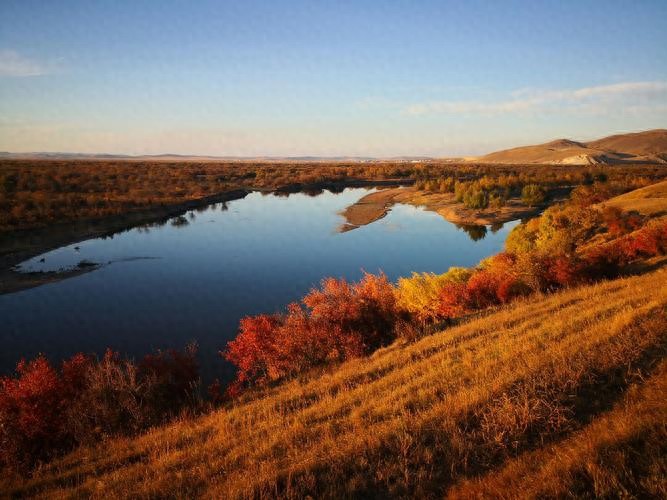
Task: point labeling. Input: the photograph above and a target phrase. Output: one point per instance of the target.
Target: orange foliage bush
(341, 320)
(453, 300)
(337, 321)
(648, 241)
(45, 411)
(619, 222)
(31, 413)
(483, 289)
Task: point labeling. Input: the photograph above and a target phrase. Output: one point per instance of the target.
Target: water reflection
(474, 231)
(192, 277)
(497, 226)
(179, 221)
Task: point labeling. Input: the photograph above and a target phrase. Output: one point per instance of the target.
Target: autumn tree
(533, 194)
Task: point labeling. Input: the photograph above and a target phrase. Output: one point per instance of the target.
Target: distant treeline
(36, 193)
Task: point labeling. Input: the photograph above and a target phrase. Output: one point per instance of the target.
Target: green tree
(532, 195)
(476, 199)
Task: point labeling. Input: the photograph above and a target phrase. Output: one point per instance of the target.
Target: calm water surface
(194, 277)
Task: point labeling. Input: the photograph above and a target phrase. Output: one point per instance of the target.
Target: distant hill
(642, 147)
(651, 142)
(639, 147)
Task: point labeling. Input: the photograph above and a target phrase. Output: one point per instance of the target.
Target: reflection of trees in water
(313, 192)
(153, 225)
(286, 191)
(179, 221)
(475, 232)
(496, 226)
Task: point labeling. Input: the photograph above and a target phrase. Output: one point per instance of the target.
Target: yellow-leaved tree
(420, 294)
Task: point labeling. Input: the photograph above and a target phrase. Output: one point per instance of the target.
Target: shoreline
(375, 206)
(18, 246)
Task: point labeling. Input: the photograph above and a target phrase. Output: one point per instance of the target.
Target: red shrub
(606, 260)
(44, 411)
(496, 282)
(483, 289)
(253, 348)
(511, 288)
(603, 261)
(31, 408)
(641, 243)
(74, 373)
(334, 302)
(454, 300)
(619, 222)
(308, 339)
(366, 309)
(339, 320)
(563, 270)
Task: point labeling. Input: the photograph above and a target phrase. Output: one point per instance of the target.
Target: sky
(326, 78)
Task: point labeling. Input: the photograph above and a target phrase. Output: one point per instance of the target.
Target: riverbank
(375, 206)
(336, 412)
(18, 246)
(21, 245)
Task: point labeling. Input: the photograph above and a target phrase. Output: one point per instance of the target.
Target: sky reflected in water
(194, 277)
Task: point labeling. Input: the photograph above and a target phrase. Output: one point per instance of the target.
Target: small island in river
(376, 205)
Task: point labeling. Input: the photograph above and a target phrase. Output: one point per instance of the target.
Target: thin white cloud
(13, 64)
(595, 99)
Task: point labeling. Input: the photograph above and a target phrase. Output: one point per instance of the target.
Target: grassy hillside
(556, 395)
(649, 146)
(650, 200)
(651, 142)
(557, 151)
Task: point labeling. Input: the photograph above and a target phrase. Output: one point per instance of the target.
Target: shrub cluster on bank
(567, 245)
(45, 410)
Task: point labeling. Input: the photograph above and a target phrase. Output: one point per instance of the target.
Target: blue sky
(377, 78)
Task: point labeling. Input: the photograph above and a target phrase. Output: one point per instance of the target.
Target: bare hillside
(649, 146)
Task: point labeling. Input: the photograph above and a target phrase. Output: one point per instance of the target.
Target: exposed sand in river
(376, 205)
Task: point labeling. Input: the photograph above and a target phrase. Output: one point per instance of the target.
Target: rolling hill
(650, 200)
(640, 147)
(550, 396)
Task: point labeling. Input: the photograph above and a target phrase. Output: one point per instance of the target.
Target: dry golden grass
(650, 200)
(621, 454)
(551, 396)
